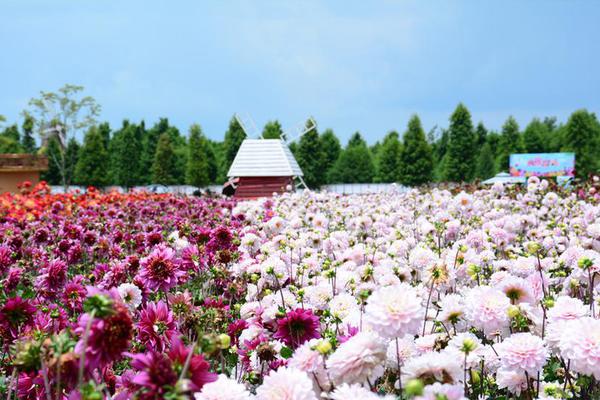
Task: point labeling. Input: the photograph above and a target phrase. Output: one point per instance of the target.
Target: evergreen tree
(481, 135)
(92, 165)
(27, 140)
(125, 150)
(460, 163)
(416, 157)
(331, 147)
(272, 130)
(310, 157)
(164, 167)
(197, 173)
(355, 163)
(71, 156)
(149, 144)
(388, 159)
(9, 145)
(104, 130)
(233, 140)
(215, 157)
(534, 136)
(52, 150)
(12, 132)
(486, 165)
(582, 134)
(510, 143)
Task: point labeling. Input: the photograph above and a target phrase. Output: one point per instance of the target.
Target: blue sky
(353, 65)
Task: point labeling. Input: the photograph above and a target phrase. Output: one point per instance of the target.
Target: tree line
(134, 154)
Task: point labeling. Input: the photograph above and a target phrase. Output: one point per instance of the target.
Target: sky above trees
(364, 66)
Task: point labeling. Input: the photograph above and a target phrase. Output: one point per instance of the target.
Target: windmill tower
(261, 166)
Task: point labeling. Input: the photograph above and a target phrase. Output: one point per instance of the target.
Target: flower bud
(414, 387)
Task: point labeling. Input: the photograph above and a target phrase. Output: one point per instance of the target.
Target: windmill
(263, 166)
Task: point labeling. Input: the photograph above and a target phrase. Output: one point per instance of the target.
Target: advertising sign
(542, 164)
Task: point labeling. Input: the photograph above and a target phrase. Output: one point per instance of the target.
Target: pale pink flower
(523, 352)
(443, 367)
(394, 311)
(360, 357)
(580, 343)
(286, 384)
(487, 309)
(223, 389)
(514, 381)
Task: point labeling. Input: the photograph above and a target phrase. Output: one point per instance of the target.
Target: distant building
(18, 168)
(262, 167)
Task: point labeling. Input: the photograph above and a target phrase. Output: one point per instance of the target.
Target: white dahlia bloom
(342, 305)
(580, 343)
(514, 381)
(442, 367)
(566, 308)
(401, 353)
(487, 309)
(286, 384)
(307, 359)
(395, 311)
(131, 295)
(355, 392)
(223, 389)
(523, 352)
(357, 359)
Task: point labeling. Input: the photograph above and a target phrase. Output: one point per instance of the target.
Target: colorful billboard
(542, 164)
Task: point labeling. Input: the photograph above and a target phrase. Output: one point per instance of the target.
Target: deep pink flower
(73, 295)
(15, 315)
(155, 375)
(52, 278)
(198, 370)
(160, 269)
(156, 326)
(108, 336)
(5, 258)
(297, 327)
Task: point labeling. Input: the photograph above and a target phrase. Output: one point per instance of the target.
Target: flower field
(433, 295)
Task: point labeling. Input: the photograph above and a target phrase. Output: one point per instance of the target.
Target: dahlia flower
(160, 269)
(580, 343)
(523, 352)
(15, 315)
(155, 376)
(297, 327)
(356, 392)
(359, 358)
(223, 389)
(286, 384)
(156, 326)
(131, 295)
(394, 311)
(198, 368)
(486, 309)
(443, 367)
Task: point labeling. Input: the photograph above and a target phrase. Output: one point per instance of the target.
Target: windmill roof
(264, 157)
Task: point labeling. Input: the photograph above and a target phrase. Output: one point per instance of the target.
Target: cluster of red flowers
(113, 295)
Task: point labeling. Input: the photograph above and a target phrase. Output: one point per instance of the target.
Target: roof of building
(264, 157)
(22, 162)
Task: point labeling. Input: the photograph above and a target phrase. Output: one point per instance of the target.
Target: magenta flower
(155, 375)
(156, 327)
(108, 338)
(52, 278)
(297, 327)
(160, 269)
(198, 370)
(15, 315)
(5, 258)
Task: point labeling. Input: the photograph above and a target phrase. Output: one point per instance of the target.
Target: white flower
(398, 354)
(354, 392)
(131, 295)
(487, 309)
(223, 389)
(514, 381)
(286, 384)
(394, 311)
(443, 367)
(342, 305)
(357, 359)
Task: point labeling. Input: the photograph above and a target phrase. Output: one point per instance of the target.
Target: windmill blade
(300, 129)
(248, 125)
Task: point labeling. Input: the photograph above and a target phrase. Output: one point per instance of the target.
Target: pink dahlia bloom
(360, 357)
(443, 367)
(567, 308)
(580, 343)
(156, 376)
(223, 389)
(355, 392)
(107, 339)
(52, 278)
(286, 384)
(15, 316)
(297, 327)
(160, 269)
(486, 309)
(395, 311)
(523, 352)
(198, 369)
(156, 326)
